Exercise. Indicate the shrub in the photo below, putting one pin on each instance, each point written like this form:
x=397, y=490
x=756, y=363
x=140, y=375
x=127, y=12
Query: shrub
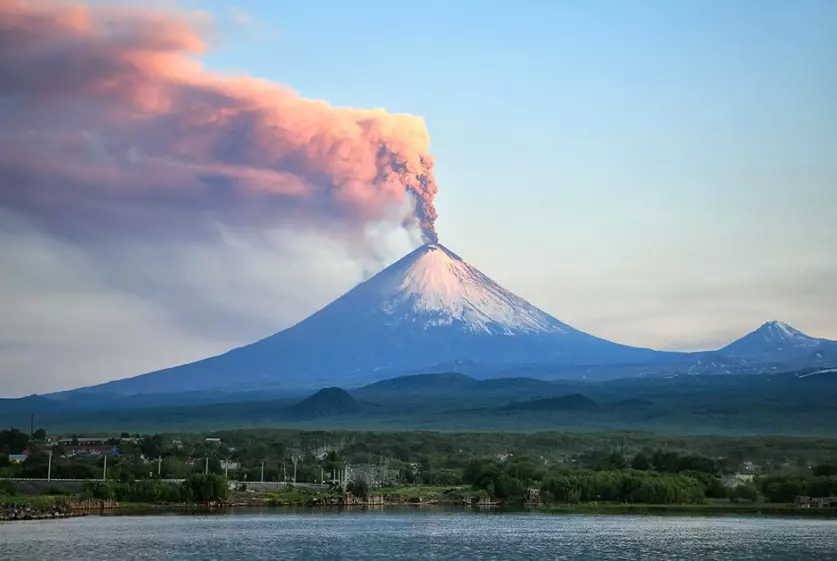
x=8, y=489
x=202, y=488
x=358, y=488
x=747, y=492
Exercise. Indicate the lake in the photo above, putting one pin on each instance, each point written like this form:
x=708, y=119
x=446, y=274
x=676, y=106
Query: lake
x=416, y=534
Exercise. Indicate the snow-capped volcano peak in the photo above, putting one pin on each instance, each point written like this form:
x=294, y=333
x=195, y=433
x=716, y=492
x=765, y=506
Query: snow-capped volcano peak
x=781, y=331
x=434, y=286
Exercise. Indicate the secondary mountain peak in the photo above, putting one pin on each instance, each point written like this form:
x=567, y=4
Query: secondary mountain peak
x=774, y=339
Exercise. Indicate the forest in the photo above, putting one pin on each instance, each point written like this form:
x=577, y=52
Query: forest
x=565, y=467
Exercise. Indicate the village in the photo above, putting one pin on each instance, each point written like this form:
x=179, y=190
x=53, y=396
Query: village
x=498, y=477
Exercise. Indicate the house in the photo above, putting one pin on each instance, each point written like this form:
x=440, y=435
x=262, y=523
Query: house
x=737, y=480
x=815, y=502
x=91, y=450
x=93, y=446
x=212, y=440
x=533, y=496
x=18, y=458
x=824, y=502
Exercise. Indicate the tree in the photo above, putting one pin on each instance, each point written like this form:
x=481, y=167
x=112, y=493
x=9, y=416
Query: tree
x=203, y=488
x=746, y=492
x=783, y=488
x=358, y=487
x=13, y=441
x=173, y=468
x=39, y=434
x=825, y=470
x=614, y=460
x=642, y=462
x=152, y=446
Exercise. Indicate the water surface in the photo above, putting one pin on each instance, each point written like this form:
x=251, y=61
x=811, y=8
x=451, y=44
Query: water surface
x=415, y=535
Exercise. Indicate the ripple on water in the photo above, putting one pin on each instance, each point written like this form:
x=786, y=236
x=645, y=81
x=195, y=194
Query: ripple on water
x=258, y=535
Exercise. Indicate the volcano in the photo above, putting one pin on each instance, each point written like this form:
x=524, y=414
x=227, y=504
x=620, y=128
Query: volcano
x=426, y=310
x=776, y=341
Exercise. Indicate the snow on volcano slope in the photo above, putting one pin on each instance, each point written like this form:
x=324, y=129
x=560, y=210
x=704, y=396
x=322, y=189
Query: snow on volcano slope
x=429, y=308
x=444, y=290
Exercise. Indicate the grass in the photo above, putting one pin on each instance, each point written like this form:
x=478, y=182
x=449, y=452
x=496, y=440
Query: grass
x=33, y=500
x=424, y=493
x=294, y=496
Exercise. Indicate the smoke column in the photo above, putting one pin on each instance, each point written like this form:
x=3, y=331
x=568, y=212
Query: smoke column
x=110, y=123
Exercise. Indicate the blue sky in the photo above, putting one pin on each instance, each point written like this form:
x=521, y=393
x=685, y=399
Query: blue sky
x=657, y=173
x=600, y=152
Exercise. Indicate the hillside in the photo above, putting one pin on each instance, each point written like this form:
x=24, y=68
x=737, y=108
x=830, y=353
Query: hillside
x=572, y=402
x=328, y=402
x=798, y=403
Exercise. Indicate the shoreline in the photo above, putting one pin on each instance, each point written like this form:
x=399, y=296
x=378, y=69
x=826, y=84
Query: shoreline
x=47, y=508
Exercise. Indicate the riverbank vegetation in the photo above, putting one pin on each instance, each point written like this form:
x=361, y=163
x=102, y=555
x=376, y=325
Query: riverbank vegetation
x=421, y=467
x=197, y=488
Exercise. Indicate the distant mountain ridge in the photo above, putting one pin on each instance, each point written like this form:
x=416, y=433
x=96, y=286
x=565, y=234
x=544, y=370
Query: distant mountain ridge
x=801, y=402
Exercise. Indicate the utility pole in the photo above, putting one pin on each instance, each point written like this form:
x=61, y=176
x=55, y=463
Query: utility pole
x=227, y=468
x=105, y=470
x=262, y=472
x=206, y=466
x=295, y=459
x=32, y=426
x=159, y=465
x=49, y=466
x=284, y=472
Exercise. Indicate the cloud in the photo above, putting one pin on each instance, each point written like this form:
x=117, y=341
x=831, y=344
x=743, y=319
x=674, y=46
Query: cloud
x=84, y=314
x=240, y=17
x=154, y=213
x=110, y=120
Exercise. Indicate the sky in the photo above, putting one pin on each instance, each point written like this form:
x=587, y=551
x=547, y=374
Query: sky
x=656, y=173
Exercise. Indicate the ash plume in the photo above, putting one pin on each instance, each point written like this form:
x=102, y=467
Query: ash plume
x=110, y=124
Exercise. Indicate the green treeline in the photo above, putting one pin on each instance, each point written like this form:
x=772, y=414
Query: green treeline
x=564, y=467
x=784, y=488
x=665, y=478
x=197, y=488
x=627, y=486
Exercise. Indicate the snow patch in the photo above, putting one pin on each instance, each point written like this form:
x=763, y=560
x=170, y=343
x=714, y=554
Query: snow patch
x=826, y=371
x=436, y=287
x=781, y=331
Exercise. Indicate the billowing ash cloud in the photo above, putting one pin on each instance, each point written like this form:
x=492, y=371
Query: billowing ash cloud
x=109, y=124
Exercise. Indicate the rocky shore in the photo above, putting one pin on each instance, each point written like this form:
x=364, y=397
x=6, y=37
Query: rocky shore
x=52, y=507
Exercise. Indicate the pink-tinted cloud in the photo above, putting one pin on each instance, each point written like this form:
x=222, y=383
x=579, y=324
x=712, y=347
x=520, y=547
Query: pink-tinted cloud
x=107, y=116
